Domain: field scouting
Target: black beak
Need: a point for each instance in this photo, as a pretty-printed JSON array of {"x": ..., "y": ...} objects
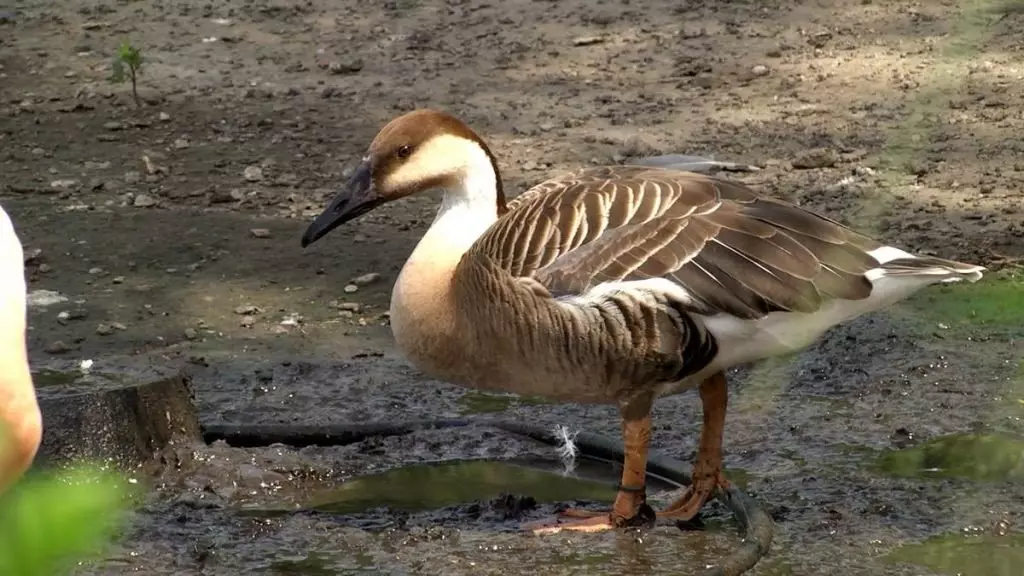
[{"x": 356, "y": 199}]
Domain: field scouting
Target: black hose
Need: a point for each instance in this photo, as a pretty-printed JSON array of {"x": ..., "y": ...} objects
[{"x": 755, "y": 525}]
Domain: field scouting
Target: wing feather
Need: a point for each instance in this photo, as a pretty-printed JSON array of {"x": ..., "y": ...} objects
[{"x": 732, "y": 250}]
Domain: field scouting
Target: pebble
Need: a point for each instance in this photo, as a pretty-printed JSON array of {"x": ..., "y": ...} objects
[
  {"x": 587, "y": 40},
  {"x": 348, "y": 67},
  {"x": 64, "y": 184},
  {"x": 164, "y": 117},
  {"x": 816, "y": 158},
  {"x": 247, "y": 309},
  {"x": 350, "y": 288},
  {"x": 95, "y": 271},
  {"x": 366, "y": 279},
  {"x": 247, "y": 321},
  {"x": 118, "y": 280},
  {"x": 253, "y": 173},
  {"x": 191, "y": 334},
  {"x": 104, "y": 329},
  {"x": 32, "y": 256},
  {"x": 181, "y": 143},
  {"x": 43, "y": 298},
  {"x": 260, "y": 233},
  {"x": 144, "y": 201},
  {"x": 350, "y": 306},
  {"x": 760, "y": 70},
  {"x": 57, "y": 347}
]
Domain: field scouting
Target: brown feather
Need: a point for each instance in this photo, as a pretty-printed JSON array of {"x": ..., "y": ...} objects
[{"x": 731, "y": 250}]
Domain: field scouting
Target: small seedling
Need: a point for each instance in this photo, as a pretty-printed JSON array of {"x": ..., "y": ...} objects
[{"x": 128, "y": 57}]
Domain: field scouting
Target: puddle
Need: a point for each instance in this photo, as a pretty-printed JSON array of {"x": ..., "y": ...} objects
[
  {"x": 47, "y": 378},
  {"x": 432, "y": 486},
  {"x": 436, "y": 485},
  {"x": 477, "y": 402},
  {"x": 981, "y": 457},
  {"x": 318, "y": 564},
  {"x": 966, "y": 555},
  {"x": 995, "y": 302}
]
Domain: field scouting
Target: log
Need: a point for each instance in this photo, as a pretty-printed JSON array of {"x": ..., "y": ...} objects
[{"x": 120, "y": 420}]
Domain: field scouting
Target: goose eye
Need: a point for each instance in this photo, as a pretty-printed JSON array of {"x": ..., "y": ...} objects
[{"x": 404, "y": 152}]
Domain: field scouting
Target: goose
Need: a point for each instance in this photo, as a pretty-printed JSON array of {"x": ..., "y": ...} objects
[
  {"x": 612, "y": 285},
  {"x": 20, "y": 420}
]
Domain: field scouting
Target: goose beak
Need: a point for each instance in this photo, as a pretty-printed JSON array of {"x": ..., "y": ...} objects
[{"x": 357, "y": 198}]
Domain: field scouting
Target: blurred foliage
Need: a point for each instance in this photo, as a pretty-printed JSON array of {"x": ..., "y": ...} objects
[{"x": 50, "y": 521}]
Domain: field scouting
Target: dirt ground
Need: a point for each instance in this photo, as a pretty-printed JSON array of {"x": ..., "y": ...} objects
[{"x": 173, "y": 230}]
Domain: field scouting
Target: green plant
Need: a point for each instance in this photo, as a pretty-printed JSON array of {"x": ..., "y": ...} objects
[
  {"x": 49, "y": 521},
  {"x": 127, "y": 65}
]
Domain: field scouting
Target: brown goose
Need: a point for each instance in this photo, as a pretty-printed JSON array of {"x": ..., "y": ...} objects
[{"x": 615, "y": 285}]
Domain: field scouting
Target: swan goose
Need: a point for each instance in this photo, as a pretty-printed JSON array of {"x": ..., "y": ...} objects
[
  {"x": 615, "y": 284},
  {"x": 20, "y": 420}
]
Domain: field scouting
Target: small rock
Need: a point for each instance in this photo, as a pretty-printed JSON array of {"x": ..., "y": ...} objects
[
  {"x": 349, "y": 67},
  {"x": 191, "y": 334},
  {"x": 144, "y": 201},
  {"x": 247, "y": 309},
  {"x": 66, "y": 316},
  {"x": 95, "y": 271},
  {"x": 113, "y": 125},
  {"x": 760, "y": 70},
  {"x": 104, "y": 329},
  {"x": 247, "y": 321},
  {"x": 32, "y": 256},
  {"x": 181, "y": 144},
  {"x": 164, "y": 117},
  {"x": 350, "y": 306},
  {"x": 43, "y": 298},
  {"x": 253, "y": 173},
  {"x": 44, "y": 268},
  {"x": 64, "y": 184},
  {"x": 350, "y": 288},
  {"x": 118, "y": 280},
  {"x": 587, "y": 40},
  {"x": 260, "y": 233},
  {"x": 57, "y": 347},
  {"x": 816, "y": 158},
  {"x": 366, "y": 279}
]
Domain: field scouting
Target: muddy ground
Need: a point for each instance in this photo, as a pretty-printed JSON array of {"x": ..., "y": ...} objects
[{"x": 173, "y": 228}]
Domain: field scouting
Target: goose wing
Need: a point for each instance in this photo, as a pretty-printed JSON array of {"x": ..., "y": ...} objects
[{"x": 731, "y": 250}]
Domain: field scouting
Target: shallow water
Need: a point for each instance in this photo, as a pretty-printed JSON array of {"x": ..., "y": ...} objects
[{"x": 979, "y": 457}]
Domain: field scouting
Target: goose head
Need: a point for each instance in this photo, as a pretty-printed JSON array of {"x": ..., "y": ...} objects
[{"x": 417, "y": 152}]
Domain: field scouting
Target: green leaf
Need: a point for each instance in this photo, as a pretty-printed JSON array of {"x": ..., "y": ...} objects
[{"x": 49, "y": 521}]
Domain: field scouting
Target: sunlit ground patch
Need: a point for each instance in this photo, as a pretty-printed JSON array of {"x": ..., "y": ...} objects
[{"x": 994, "y": 305}]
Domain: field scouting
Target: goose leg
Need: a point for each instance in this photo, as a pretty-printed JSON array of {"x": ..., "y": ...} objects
[
  {"x": 630, "y": 507},
  {"x": 707, "y": 471}
]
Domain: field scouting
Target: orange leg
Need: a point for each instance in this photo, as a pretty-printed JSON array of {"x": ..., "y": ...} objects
[
  {"x": 707, "y": 471},
  {"x": 636, "y": 435}
]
